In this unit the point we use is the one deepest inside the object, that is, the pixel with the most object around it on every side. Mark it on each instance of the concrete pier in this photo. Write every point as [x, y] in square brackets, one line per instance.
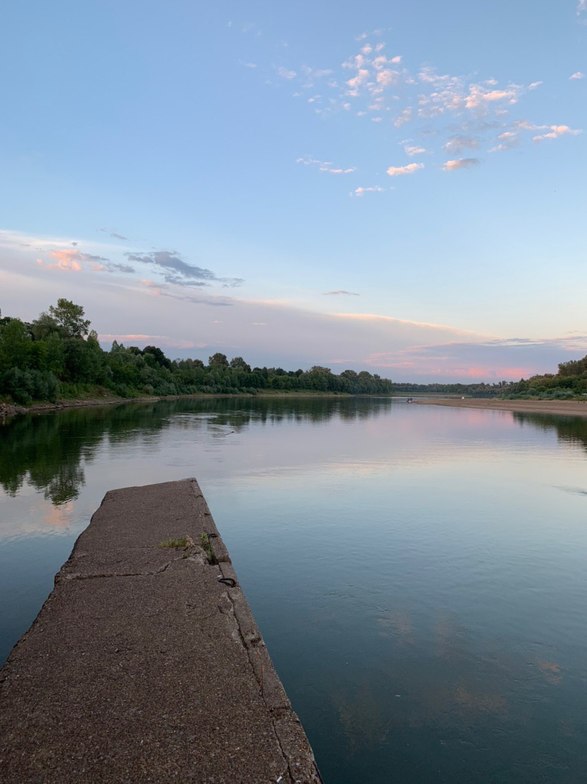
[145, 663]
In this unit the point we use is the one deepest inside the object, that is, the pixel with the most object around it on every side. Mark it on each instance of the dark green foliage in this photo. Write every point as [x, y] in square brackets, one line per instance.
[58, 355]
[568, 383]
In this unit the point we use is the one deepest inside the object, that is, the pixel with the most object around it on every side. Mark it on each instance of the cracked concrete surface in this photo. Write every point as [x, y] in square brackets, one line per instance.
[143, 667]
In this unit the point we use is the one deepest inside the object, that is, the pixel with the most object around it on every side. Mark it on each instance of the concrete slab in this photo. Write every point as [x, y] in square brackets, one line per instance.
[145, 664]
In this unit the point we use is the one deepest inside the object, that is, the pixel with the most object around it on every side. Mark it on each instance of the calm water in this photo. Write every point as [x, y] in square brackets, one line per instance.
[418, 572]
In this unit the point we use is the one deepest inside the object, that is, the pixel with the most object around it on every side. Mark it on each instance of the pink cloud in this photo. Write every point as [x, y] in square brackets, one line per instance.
[555, 132]
[461, 163]
[66, 260]
[409, 168]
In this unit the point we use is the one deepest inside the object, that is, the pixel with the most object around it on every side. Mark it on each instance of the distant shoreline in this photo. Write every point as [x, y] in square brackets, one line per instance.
[558, 407]
[9, 410]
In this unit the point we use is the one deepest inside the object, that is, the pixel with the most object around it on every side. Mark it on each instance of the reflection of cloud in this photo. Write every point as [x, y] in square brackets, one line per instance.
[59, 516]
[362, 717]
[484, 702]
[398, 623]
[551, 671]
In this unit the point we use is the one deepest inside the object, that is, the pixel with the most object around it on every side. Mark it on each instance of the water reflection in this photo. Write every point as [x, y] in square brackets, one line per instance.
[572, 430]
[416, 571]
[49, 451]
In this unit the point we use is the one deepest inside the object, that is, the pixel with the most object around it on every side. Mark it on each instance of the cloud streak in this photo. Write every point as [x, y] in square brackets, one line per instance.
[363, 189]
[179, 272]
[325, 166]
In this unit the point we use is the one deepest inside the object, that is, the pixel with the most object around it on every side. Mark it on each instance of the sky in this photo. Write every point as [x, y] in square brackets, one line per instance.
[386, 186]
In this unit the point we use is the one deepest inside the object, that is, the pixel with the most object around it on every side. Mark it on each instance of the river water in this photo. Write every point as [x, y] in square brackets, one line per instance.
[418, 572]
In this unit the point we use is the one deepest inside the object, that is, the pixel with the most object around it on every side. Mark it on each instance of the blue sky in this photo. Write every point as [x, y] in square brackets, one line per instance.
[397, 187]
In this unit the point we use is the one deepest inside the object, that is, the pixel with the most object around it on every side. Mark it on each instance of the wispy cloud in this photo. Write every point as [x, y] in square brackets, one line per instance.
[457, 144]
[484, 360]
[577, 76]
[461, 163]
[363, 189]
[286, 73]
[581, 7]
[446, 112]
[155, 311]
[73, 260]
[325, 166]
[399, 171]
[64, 255]
[180, 272]
[555, 132]
[506, 141]
[112, 233]
[414, 149]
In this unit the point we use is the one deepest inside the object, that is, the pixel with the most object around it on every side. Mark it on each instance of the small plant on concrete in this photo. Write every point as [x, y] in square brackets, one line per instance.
[179, 544]
[207, 548]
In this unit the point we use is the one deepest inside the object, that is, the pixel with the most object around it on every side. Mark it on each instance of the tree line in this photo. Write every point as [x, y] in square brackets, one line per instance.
[58, 356]
[570, 382]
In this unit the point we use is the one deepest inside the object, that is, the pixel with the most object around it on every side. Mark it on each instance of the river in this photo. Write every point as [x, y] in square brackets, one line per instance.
[418, 573]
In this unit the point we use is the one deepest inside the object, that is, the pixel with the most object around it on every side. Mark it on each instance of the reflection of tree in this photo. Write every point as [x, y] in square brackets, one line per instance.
[45, 450]
[49, 450]
[570, 429]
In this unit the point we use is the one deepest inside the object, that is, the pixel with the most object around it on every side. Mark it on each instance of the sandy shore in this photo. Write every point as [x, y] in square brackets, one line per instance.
[559, 407]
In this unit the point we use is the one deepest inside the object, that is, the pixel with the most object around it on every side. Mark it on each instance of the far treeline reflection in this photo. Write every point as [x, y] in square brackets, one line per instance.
[47, 449]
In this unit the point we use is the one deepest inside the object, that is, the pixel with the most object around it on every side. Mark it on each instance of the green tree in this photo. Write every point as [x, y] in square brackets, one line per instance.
[218, 360]
[70, 317]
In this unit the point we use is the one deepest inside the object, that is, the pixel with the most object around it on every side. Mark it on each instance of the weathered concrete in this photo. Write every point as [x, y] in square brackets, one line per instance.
[142, 666]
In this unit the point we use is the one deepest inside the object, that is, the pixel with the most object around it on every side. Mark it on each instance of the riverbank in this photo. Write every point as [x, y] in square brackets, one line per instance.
[558, 407]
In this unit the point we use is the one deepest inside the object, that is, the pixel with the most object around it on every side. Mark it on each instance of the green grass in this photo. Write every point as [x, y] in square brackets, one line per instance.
[181, 543]
[207, 548]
